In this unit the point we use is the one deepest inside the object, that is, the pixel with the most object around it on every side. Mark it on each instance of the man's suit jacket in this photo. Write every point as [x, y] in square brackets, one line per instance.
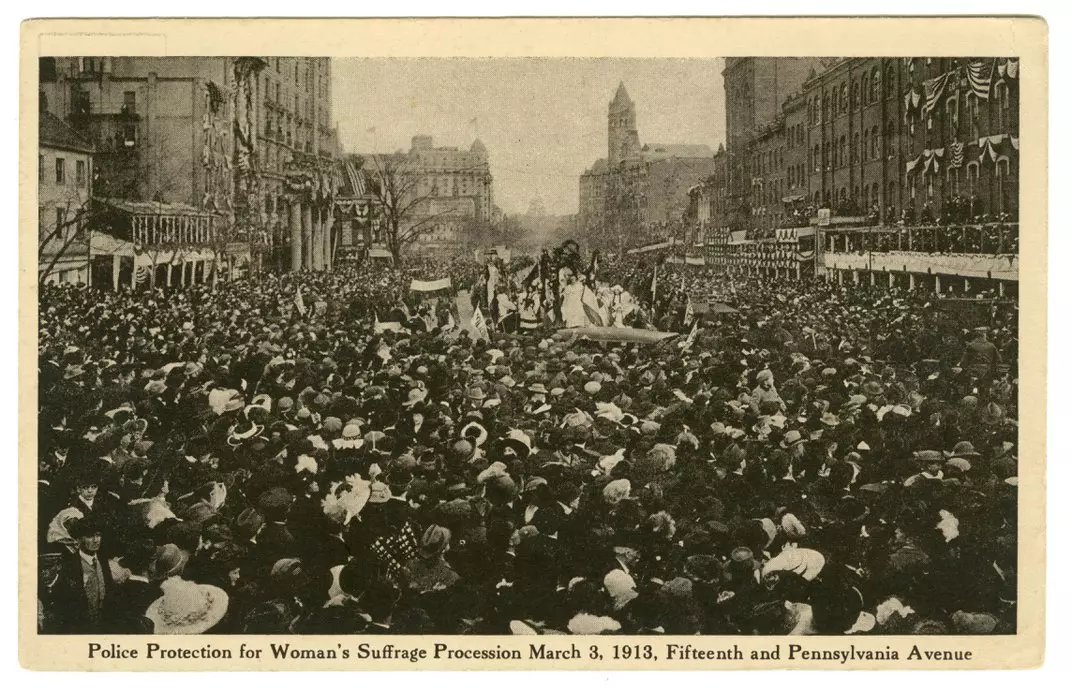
[126, 606]
[68, 603]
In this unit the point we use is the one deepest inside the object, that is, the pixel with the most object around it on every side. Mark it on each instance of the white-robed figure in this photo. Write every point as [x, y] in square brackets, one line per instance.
[573, 301]
[621, 306]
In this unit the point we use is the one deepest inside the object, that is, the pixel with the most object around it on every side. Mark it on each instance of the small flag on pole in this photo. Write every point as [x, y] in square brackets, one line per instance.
[690, 314]
[299, 302]
[480, 325]
[691, 338]
[654, 282]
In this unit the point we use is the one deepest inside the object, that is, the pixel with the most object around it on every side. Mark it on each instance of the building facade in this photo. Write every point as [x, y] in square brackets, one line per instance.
[448, 196]
[756, 89]
[246, 139]
[638, 193]
[924, 152]
[65, 188]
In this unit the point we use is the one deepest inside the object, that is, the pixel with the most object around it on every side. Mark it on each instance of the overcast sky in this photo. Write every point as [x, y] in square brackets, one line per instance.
[543, 120]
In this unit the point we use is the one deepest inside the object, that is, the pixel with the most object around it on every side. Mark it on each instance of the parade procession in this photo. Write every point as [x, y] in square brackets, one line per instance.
[764, 385]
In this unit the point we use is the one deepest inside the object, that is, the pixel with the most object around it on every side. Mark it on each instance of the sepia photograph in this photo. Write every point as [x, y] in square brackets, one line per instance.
[518, 346]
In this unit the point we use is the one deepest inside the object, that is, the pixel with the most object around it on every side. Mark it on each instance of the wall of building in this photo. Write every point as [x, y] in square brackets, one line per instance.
[57, 204]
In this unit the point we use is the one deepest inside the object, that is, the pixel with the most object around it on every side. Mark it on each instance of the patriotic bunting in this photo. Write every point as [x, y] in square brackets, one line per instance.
[1010, 69]
[956, 155]
[930, 159]
[911, 102]
[911, 165]
[933, 90]
[980, 74]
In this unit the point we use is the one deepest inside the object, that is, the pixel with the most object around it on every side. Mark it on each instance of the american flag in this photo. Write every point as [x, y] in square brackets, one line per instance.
[395, 549]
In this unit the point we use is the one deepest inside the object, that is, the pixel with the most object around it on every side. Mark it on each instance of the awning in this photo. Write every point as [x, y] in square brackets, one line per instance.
[792, 198]
[379, 253]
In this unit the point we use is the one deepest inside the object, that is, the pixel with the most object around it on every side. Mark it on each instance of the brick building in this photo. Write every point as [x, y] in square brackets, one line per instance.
[247, 139]
[639, 193]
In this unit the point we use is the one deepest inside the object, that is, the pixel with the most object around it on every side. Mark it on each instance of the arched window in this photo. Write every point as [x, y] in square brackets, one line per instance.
[1001, 98]
[815, 161]
[854, 148]
[865, 89]
[874, 194]
[855, 99]
[865, 146]
[972, 180]
[971, 110]
[827, 105]
[841, 151]
[826, 155]
[867, 197]
[874, 143]
[1001, 177]
[891, 193]
[811, 110]
[856, 193]
[872, 93]
[888, 139]
[952, 182]
[844, 101]
[844, 195]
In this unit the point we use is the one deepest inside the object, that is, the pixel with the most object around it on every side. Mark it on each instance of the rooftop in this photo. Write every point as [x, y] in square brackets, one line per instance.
[55, 133]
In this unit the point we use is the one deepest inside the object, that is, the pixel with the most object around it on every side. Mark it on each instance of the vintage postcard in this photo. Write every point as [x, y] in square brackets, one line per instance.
[533, 344]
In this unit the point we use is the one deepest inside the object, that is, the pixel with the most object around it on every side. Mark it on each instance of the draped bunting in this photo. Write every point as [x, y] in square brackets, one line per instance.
[1009, 69]
[933, 90]
[997, 145]
[911, 165]
[911, 102]
[980, 74]
[930, 159]
[956, 154]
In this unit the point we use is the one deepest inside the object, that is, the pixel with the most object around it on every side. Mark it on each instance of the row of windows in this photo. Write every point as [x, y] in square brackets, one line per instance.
[841, 99]
[80, 172]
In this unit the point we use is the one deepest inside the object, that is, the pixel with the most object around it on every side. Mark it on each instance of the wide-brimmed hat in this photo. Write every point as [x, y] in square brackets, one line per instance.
[537, 387]
[187, 607]
[829, 419]
[518, 443]
[475, 432]
[435, 541]
[475, 393]
[379, 493]
[872, 389]
[963, 449]
[414, 397]
[242, 432]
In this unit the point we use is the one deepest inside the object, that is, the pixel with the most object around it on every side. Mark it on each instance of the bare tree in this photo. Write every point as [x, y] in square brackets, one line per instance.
[403, 206]
[56, 240]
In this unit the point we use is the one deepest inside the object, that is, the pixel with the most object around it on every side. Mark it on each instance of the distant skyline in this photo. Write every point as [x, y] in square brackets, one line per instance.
[543, 120]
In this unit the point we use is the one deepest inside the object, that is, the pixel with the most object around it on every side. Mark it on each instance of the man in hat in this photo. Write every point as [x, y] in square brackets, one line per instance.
[84, 583]
[980, 357]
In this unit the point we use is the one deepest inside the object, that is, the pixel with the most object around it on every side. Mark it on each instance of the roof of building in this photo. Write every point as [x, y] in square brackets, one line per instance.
[55, 133]
[660, 151]
[621, 96]
[478, 147]
[600, 166]
[136, 208]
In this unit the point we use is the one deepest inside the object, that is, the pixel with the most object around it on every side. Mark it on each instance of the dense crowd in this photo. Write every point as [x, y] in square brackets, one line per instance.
[231, 459]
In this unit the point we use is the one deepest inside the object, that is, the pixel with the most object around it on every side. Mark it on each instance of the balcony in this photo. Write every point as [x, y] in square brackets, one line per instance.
[1005, 267]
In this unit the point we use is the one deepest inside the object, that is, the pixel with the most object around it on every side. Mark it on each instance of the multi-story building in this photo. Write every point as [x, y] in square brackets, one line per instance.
[448, 195]
[246, 140]
[639, 193]
[65, 187]
[756, 89]
[887, 155]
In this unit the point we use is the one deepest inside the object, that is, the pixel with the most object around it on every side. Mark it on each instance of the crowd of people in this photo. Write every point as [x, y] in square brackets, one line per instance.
[235, 459]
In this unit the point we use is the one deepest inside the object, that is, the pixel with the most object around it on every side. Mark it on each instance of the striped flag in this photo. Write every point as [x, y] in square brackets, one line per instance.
[980, 74]
[690, 314]
[691, 338]
[591, 307]
[933, 90]
[480, 325]
[956, 154]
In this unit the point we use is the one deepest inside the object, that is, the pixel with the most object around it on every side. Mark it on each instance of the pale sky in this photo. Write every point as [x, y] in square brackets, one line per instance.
[543, 120]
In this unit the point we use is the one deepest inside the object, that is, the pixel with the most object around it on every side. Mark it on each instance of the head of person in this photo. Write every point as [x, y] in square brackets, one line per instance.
[87, 533]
